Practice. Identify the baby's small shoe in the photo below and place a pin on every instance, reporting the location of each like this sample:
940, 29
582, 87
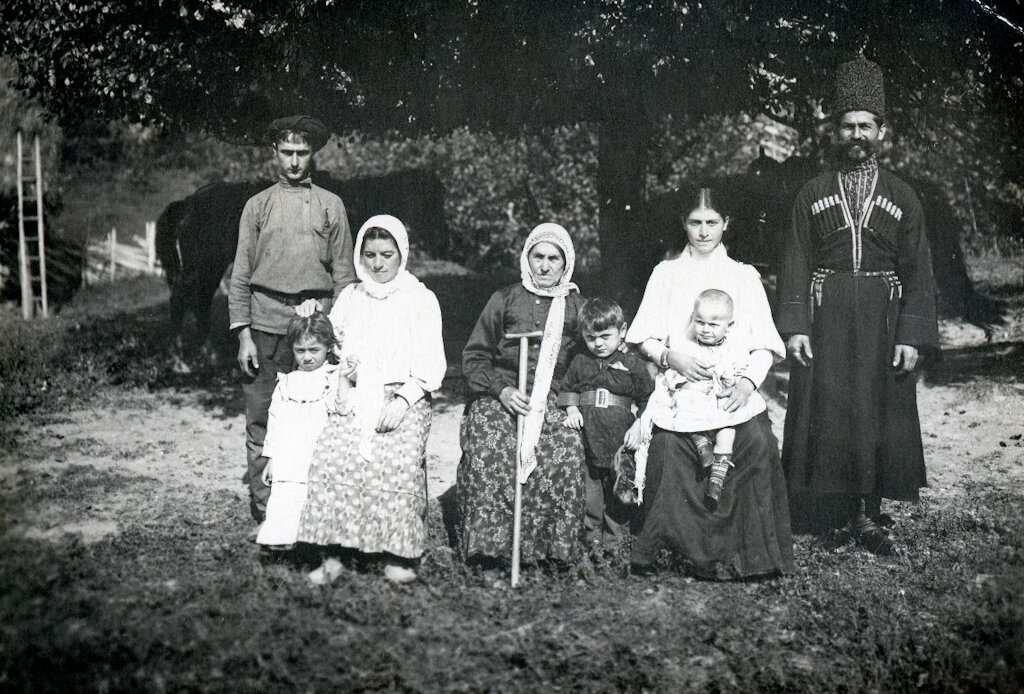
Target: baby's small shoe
716, 480
705, 449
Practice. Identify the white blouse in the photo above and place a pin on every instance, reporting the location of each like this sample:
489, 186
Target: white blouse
665, 312
395, 339
298, 412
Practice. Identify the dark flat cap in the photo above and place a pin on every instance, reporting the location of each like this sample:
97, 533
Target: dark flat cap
859, 88
314, 129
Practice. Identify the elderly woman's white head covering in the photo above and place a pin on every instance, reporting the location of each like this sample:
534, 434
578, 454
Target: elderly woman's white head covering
552, 340
558, 237
398, 232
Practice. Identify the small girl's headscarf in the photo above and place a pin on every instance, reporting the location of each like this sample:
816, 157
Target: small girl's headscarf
403, 279
552, 340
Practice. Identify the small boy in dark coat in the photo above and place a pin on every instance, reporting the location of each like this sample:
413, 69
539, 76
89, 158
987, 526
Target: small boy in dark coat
598, 392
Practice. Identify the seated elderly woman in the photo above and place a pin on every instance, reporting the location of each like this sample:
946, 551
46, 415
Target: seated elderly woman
552, 497
367, 482
747, 532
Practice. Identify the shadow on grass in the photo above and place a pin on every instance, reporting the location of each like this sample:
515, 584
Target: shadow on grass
190, 606
1001, 362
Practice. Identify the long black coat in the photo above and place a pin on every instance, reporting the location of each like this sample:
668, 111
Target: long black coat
852, 424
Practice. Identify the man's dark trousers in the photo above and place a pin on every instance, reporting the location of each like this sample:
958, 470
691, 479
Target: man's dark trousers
275, 355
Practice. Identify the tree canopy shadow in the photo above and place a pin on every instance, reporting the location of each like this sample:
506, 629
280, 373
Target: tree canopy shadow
1001, 362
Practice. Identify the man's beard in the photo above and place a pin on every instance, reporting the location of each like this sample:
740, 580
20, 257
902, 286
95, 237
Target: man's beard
854, 152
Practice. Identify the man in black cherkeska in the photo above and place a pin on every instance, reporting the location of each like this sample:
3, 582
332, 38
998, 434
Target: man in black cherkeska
856, 304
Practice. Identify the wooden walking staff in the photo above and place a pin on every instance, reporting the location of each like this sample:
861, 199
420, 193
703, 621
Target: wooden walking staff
517, 508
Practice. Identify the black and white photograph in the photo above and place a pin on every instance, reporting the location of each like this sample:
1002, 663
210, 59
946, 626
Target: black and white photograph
511, 346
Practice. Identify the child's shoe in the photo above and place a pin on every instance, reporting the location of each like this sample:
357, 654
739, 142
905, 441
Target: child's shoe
705, 449
327, 573
396, 573
716, 480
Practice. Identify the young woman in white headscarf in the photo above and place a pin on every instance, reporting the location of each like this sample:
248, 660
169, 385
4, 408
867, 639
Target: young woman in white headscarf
367, 483
552, 497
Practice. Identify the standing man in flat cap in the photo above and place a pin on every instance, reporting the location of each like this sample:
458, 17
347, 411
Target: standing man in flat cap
294, 256
857, 305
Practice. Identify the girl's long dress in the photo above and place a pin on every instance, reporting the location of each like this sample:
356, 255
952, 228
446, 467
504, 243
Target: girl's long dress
552, 516
298, 413
748, 533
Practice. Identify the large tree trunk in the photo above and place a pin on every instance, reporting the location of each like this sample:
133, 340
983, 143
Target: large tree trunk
622, 163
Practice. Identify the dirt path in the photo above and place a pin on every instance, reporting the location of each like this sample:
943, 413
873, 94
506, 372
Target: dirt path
187, 443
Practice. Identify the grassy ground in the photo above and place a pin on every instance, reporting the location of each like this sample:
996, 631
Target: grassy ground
125, 565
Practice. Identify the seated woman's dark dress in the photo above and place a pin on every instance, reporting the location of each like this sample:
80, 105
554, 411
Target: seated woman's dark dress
749, 533
553, 496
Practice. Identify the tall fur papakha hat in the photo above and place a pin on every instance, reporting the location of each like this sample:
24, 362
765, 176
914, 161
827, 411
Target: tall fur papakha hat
859, 88
313, 127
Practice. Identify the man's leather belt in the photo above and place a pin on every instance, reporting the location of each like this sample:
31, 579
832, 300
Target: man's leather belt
602, 397
293, 299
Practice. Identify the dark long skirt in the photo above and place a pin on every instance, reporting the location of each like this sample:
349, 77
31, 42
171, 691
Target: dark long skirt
747, 535
852, 427
552, 497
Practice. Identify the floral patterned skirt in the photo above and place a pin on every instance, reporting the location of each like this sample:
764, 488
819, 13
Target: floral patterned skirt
377, 506
552, 516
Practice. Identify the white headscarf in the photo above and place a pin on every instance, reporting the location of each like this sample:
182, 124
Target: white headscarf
403, 279
368, 395
552, 340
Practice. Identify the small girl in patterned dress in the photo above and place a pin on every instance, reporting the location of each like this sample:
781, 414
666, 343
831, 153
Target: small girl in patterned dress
298, 412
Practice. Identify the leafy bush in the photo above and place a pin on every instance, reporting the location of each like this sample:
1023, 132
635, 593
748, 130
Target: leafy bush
113, 343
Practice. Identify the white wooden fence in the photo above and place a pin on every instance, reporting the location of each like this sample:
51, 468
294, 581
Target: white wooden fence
107, 259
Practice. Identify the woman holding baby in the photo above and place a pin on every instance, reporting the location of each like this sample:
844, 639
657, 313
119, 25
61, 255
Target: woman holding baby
745, 531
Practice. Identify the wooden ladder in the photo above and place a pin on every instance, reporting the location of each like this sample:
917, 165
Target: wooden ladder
31, 237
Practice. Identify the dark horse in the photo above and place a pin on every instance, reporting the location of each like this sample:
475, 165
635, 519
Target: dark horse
196, 237
761, 208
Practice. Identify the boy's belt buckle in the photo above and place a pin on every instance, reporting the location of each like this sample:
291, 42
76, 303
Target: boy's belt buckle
601, 397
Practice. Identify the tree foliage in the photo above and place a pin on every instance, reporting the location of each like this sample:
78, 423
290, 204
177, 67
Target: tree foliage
228, 65
622, 67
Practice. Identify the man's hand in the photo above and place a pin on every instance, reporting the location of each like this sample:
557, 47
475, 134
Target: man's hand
308, 307
573, 418
248, 359
905, 358
392, 414
515, 401
268, 473
799, 347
